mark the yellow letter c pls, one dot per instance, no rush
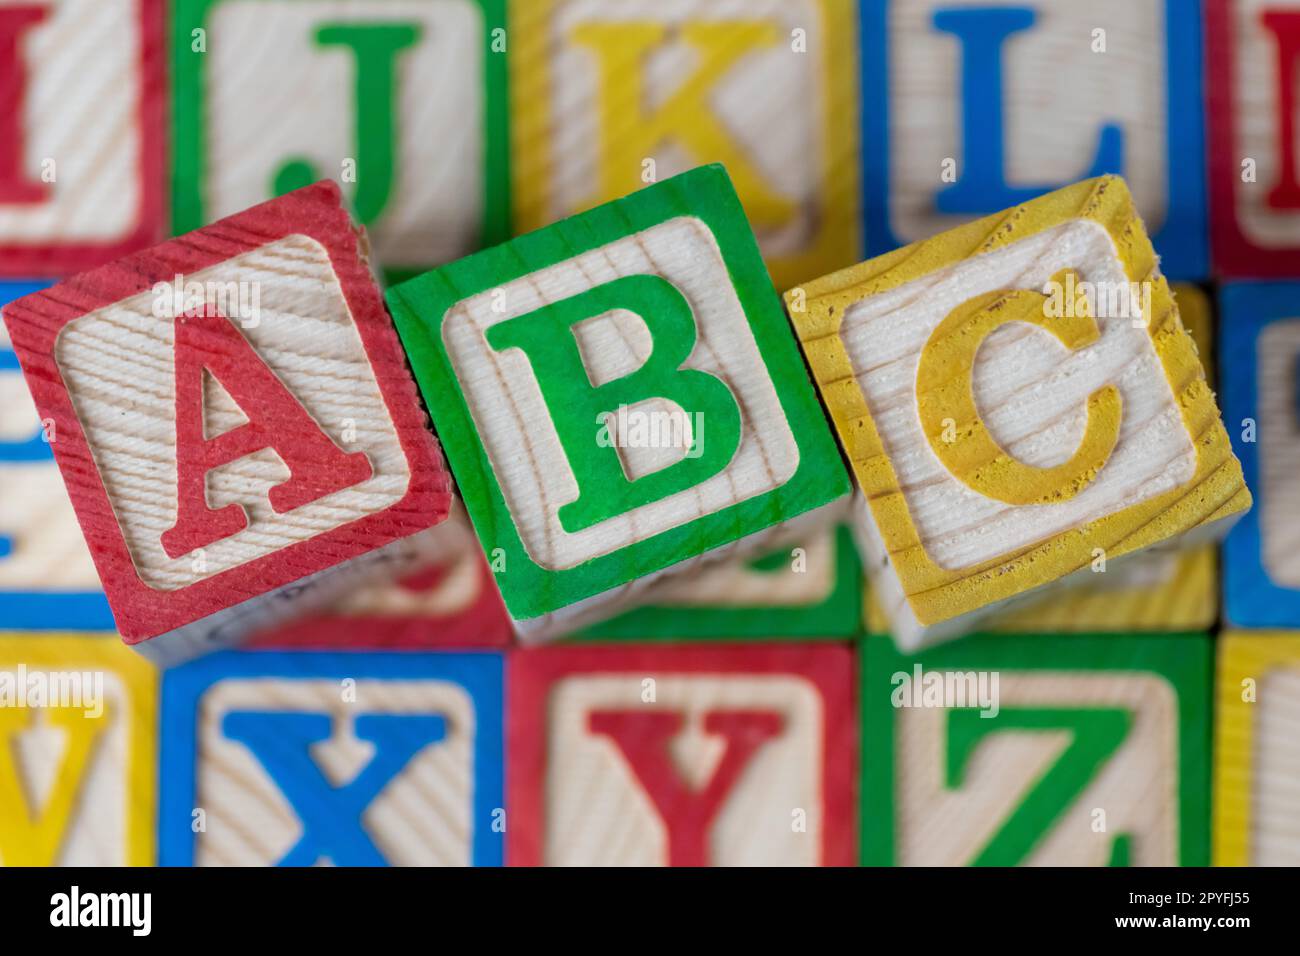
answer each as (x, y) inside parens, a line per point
(951, 422)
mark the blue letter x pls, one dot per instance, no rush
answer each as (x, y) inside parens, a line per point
(331, 816)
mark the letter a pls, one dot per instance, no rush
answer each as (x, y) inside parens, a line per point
(207, 341)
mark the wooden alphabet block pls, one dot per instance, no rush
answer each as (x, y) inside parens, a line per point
(620, 395)
(1037, 750)
(652, 756)
(1257, 750)
(1251, 85)
(811, 589)
(971, 107)
(403, 102)
(608, 97)
(355, 759)
(235, 422)
(1018, 400)
(447, 600)
(1261, 348)
(78, 744)
(47, 580)
(81, 146)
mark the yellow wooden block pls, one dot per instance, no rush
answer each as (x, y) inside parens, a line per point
(1019, 400)
(1257, 750)
(606, 98)
(78, 740)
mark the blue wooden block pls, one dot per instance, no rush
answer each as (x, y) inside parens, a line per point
(1259, 355)
(289, 758)
(970, 109)
(30, 486)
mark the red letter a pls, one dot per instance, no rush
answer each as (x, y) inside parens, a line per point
(644, 738)
(276, 420)
(14, 188)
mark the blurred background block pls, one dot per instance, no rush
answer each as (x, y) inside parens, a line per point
(809, 589)
(1037, 749)
(1257, 750)
(971, 107)
(47, 579)
(682, 756)
(401, 101)
(78, 752)
(448, 600)
(607, 97)
(354, 759)
(1261, 349)
(81, 133)
(1251, 81)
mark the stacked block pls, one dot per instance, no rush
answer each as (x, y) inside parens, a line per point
(1251, 102)
(610, 97)
(78, 752)
(404, 103)
(988, 472)
(681, 756)
(81, 136)
(1261, 342)
(236, 422)
(1037, 749)
(1256, 759)
(620, 396)
(970, 108)
(298, 758)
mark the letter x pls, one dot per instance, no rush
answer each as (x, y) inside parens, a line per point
(330, 815)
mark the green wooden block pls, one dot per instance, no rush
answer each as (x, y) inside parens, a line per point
(1094, 751)
(403, 105)
(810, 589)
(620, 395)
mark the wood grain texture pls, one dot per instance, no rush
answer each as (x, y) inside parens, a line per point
(1250, 66)
(641, 756)
(536, 357)
(78, 766)
(1030, 750)
(287, 312)
(938, 548)
(601, 89)
(340, 89)
(83, 152)
(1256, 757)
(302, 758)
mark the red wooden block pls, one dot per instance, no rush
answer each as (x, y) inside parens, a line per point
(234, 420)
(1253, 90)
(448, 600)
(81, 146)
(681, 756)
